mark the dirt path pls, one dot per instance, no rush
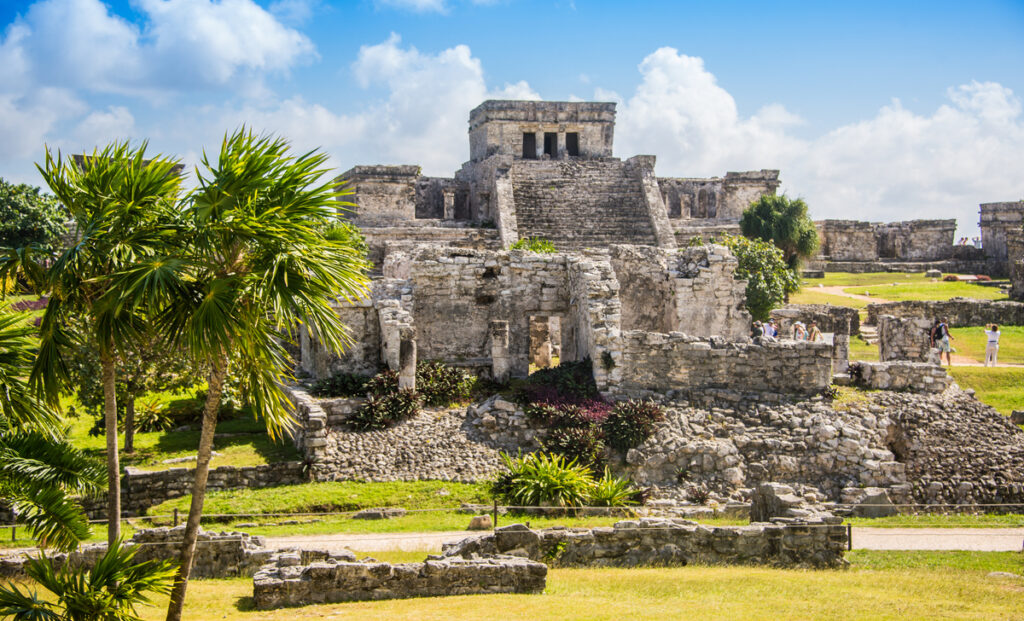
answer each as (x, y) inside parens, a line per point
(838, 290)
(373, 541)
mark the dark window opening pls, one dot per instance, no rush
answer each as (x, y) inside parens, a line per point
(529, 146)
(551, 144)
(572, 144)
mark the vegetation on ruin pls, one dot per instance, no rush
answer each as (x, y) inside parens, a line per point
(878, 585)
(30, 217)
(538, 245)
(763, 266)
(784, 222)
(546, 479)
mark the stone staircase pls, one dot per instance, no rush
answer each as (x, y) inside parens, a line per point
(869, 334)
(580, 203)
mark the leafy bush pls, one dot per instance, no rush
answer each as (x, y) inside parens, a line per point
(698, 494)
(152, 416)
(539, 479)
(441, 385)
(382, 411)
(534, 244)
(611, 491)
(382, 384)
(569, 382)
(582, 414)
(341, 385)
(30, 305)
(769, 278)
(630, 423)
(584, 445)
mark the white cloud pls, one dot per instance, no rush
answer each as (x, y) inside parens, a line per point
(294, 11)
(182, 45)
(102, 127)
(895, 165)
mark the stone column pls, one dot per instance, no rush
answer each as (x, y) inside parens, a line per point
(540, 342)
(501, 362)
(407, 358)
(449, 203)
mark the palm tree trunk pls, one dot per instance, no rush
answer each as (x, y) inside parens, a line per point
(129, 424)
(113, 464)
(195, 511)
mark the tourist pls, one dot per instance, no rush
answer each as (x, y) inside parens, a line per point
(814, 335)
(933, 334)
(774, 329)
(756, 330)
(943, 337)
(977, 242)
(799, 331)
(992, 347)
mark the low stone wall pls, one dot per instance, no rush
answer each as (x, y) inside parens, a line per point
(141, 489)
(292, 580)
(669, 542)
(218, 555)
(901, 375)
(990, 267)
(960, 311)
(835, 319)
(655, 364)
(905, 338)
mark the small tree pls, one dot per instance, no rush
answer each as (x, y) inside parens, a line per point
(783, 222)
(761, 264)
(30, 217)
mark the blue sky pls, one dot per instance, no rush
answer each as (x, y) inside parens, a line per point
(871, 110)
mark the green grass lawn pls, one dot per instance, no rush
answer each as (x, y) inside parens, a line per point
(849, 279)
(878, 585)
(939, 290)
(999, 387)
(971, 342)
(810, 295)
(862, 350)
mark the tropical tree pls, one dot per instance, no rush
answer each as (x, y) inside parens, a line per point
(783, 222)
(122, 206)
(108, 591)
(761, 264)
(30, 217)
(259, 264)
(39, 470)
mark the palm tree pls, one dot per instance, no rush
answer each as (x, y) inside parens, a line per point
(120, 202)
(783, 222)
(258, 265)
(38, 469)
(109, 591)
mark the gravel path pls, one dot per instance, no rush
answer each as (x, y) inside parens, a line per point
(976, 539)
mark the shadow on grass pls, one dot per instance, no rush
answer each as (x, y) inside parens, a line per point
(245, 604)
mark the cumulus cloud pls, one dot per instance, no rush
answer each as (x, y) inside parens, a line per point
(894, 165)
(182, 45)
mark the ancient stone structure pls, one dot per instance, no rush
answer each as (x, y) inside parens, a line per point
(921, 377)
(996, 220)
(905, 338)
(218, 555)
(813, 543)
(961, 312)
(540, 169)
(303, 577)
(913, 241)
(837, 324)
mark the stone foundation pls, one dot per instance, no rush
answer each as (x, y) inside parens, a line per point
(960, 311)
(669, 542)
(906, 338)
(292, 580)
(901, 375)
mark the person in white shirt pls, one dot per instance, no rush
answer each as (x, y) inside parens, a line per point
(992, 347)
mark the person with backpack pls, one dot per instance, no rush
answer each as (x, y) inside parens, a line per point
(942, 339)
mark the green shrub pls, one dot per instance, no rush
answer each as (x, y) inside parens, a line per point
(382, 411)
(611, 491)
(539, 479)
(534, 244)
(441, 385)
(630, 423)
(569, 382)
(152, 416)
(341, 385)
(382, 384)
(584, 445)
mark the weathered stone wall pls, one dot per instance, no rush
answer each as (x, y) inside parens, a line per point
(218, 555)
(995, 220)
(668, 542)
(1015, 262)
(914, 240)
(716, 198)
(595, 317)
(691, 291)
(382, 194)
(142, 489)
(838, 321)
(656, 364)
(381, 240)
(361, 356)
(708, 230)
(290, 580)
(905, 338)
(988, 267)
(497, 127)
(961, 312)
(922, 377)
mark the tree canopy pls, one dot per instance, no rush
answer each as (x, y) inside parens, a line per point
(768, 277)
(30, 217)
(783, 222)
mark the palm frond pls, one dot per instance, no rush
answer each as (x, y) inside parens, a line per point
(54, 519)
